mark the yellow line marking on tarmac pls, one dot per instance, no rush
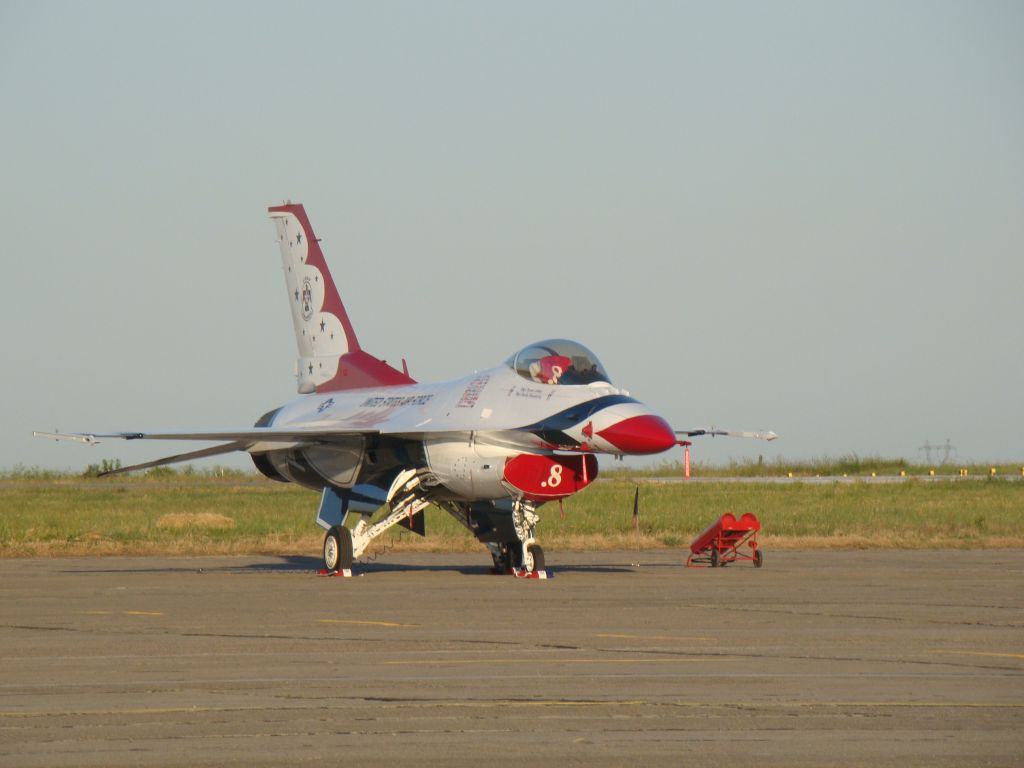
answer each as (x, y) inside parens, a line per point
(131, 711)
(900, 704)
(747, 705)
(651, 637)
(390, 705)
(142, 613)
(452, 662)
(979, 653)
(360, 623)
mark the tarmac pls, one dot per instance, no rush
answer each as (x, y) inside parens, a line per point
(871, 658)
(833, 479)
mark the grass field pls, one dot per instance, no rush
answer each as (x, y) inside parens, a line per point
(50, 514)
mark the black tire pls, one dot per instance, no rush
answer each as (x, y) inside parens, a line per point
(503, 561)
(758, 558)
(538, 557)
(714, 556)
(536, 551)
(338, 549)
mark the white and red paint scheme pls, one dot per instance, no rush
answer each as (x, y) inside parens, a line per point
(489, 448)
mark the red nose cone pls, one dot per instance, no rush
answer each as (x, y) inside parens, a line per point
(640, 434)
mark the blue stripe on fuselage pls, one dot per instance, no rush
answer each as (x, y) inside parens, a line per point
(563, 420)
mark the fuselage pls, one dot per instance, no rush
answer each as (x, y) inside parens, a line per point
(468, 432)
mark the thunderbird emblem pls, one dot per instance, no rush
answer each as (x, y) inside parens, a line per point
(307, 299)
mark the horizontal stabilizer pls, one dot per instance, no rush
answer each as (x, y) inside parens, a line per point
(216, 450)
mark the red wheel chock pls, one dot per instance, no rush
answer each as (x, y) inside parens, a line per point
(522, 573)
(345, 573)
(727, 540)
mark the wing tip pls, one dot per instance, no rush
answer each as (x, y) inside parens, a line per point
(86, 439)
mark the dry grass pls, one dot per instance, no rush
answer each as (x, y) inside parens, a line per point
(887, 541)
(193, 515)
(202, 520)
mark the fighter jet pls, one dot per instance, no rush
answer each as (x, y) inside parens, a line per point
(489, 448)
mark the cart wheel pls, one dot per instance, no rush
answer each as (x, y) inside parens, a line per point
(758, 558)
(714, 556)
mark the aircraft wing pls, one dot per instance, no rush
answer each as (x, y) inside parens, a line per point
(725, 433)
(245, 436)
(241, 440)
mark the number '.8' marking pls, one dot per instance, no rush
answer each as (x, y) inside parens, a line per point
(555, 478)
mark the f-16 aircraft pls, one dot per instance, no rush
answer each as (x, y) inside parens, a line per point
(489, 448)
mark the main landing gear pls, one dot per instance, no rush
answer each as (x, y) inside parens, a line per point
(343, 545)
(508, 533)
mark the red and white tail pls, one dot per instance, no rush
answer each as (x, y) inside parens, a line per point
(330, 357)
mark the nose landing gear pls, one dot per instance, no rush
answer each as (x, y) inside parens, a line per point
(526, 555)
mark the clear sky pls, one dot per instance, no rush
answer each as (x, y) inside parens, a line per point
(798, 216)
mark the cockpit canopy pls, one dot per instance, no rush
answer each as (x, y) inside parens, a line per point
(558, 361)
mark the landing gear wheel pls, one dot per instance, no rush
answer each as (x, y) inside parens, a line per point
(758, 558)
(538, 556)
(502, 559)
(714, 556)
(338, 549)
(529, 558)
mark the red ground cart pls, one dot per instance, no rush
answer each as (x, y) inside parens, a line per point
(725, 541)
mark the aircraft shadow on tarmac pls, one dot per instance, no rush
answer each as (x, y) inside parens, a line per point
(312, 565)
(300, 563)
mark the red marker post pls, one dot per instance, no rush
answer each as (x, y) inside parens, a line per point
(686, 457)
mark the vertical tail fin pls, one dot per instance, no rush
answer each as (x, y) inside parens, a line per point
(330, 357)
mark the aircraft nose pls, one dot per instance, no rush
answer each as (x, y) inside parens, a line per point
(640, 434)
